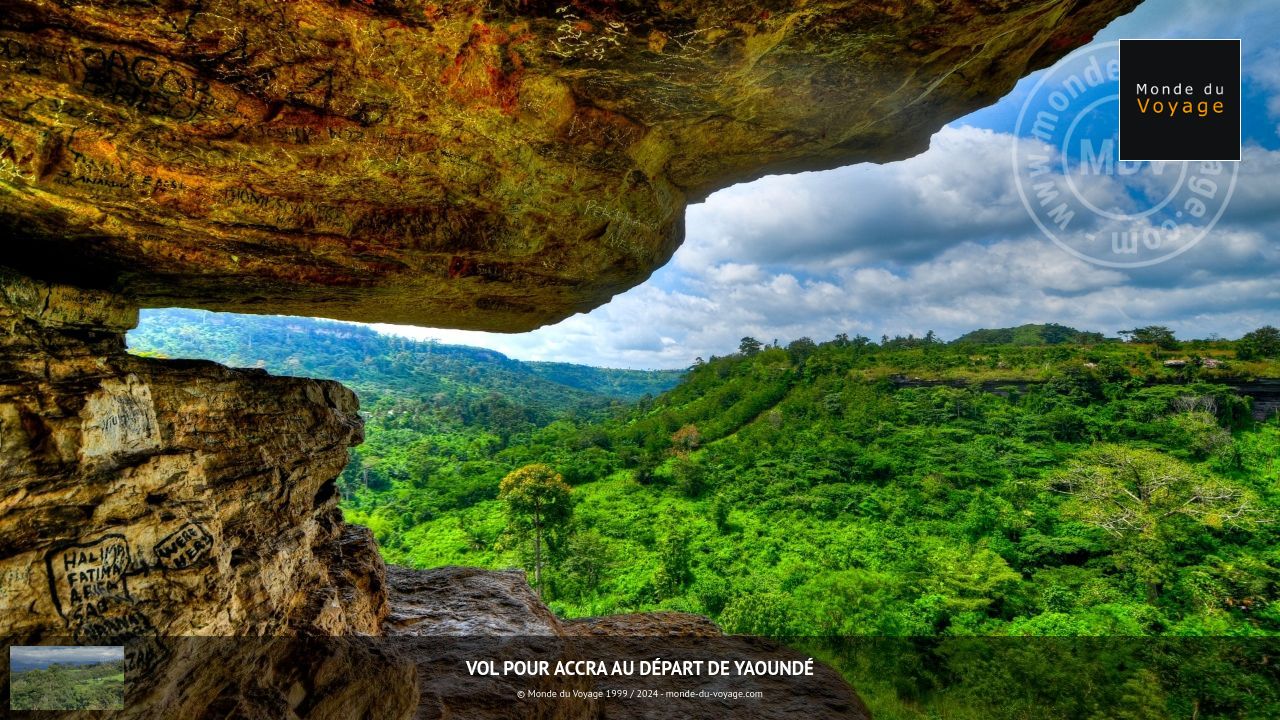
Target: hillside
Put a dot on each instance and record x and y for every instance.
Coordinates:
(807, 491)
(423, 402)
(372, 363)
(788, 491)
(1026, 335)
(625, 384)
(86, 686)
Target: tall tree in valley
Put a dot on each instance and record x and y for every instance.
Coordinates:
(538, 502)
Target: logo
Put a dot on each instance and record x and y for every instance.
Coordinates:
(1082, 196)
(1180, 100)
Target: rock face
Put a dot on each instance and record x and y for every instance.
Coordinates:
(443, 617)
(479, 164)
(148, 499)
(172, 497)
(464, 601)
(1265, 393)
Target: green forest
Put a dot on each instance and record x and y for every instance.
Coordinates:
(63, 686)
(421, 401)
(1035, 482)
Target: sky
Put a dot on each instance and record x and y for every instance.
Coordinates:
(940, 242)
(39, 656)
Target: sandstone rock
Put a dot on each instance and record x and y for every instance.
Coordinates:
(666, 624)
(149, 499)
(681, 636)
(465, 601)
(488, 165)
(203, 497)
(443, 617)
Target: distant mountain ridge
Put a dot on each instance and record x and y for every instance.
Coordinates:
(626, 384)
(23, 664)
(373, 363)
(1031, 334)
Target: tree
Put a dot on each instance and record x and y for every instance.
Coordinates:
(800, 349)
(1158, 335)
(646, 470)
(674, 559)
(1261, 343)
(585, 563)
(1141, 697)
(1141, 497)
(537, 502)
(690, 475)
(686, 439)
(749, 346)
(719, 509)
(1200, 432)
(1128, 491)
(758, 613)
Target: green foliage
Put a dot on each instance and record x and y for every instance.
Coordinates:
(535, 497)
(801, 492)
(1134, 493)
(674, 559)
(876, 508)
(904, 488)
(435, 415)
(1028, 335)
(60, 686)
(623, 384)
(765, 613)
(1158, 335)
(1261, 343)
(1151, 505)
(538, 504)
(689, 475)
(587, 560)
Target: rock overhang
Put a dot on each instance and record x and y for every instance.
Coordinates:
(481, 165)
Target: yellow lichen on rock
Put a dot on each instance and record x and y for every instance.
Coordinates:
(467, 164)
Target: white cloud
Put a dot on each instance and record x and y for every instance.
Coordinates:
(997, 272)
(960, 188)
(937, 242)
(41, 654)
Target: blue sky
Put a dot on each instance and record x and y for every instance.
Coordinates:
(939, 242)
